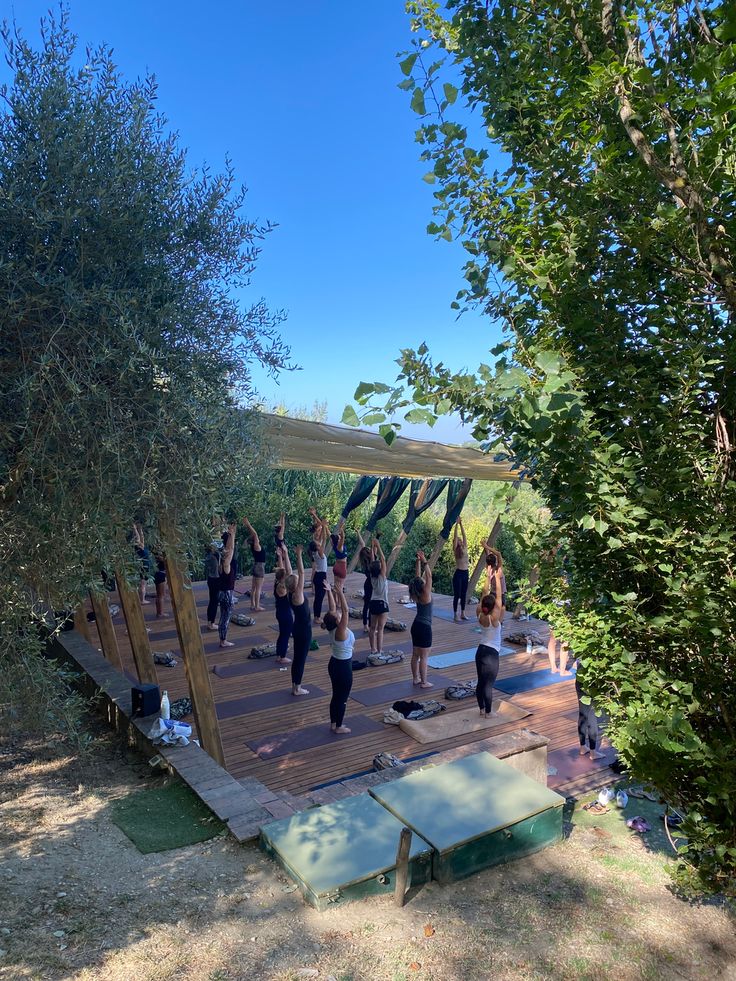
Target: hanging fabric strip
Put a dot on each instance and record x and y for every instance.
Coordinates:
(390, 490)
(423, 494)
(457, 492)
(360, 493)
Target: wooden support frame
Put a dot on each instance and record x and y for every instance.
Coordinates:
(136, 625)
(81, 624)
(195, 662)
(481, 563)
(105, 629)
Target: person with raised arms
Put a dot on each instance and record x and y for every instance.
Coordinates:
(420, 591)
(302, 629)
(490, 617)
(340, 665)
(461, 574)
(379, 598)
(284, 613)
(227, 584)
(259, 568)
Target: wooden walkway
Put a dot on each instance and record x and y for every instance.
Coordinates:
(553, 708)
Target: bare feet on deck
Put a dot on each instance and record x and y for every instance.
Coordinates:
(583, 750)
(463, 617)
(145, 602)
(566, 674)
(341, 730)
(226, 643)
(212, 626)
(416, 681)
(595, 755)
(283, 660)
(426, 684)
(299, 691)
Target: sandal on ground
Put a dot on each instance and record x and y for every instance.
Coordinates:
(595, 807)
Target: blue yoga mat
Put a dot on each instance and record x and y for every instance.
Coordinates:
(452, 658)
(529, 681)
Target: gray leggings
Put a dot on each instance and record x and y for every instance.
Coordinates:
(225, 599)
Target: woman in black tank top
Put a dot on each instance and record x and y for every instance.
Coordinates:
(302, 629)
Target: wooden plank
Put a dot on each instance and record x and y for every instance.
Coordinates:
(106, 630)
(137, 635)
(184, 608)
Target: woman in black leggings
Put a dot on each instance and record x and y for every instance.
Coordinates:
(302, 629)
(490, 618)
(461, 574)
(365, 557)
(284, 614)
(340, 665)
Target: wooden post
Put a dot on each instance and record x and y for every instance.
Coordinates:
(356, 555)
(402, 867)
(394, 553)
(436, 552)
(106, 630)
(195, 662)
(137, 634)
(81, 624)
(481, 563)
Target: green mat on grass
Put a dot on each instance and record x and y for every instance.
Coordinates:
(164, 818)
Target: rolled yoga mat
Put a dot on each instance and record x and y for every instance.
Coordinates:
(396, 690)
(465, 656)
(527, 682)
(449, 724)
(264, 700)
(310, 737)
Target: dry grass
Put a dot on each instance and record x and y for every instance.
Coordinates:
(594, 907)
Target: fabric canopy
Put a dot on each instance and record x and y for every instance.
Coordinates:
(362, 489)
(302, 445)
(422, 495)
(457, 492)
(390, 490)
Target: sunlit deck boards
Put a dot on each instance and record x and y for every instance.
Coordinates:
(554, 708)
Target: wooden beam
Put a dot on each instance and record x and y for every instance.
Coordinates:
(190, 642)
(106, 630)
(137, 634)
(394, 553)
(402, 867)
(81, 624)
(481, 563)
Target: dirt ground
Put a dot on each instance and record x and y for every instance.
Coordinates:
(77, 900)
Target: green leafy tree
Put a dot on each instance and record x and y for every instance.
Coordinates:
(606, 248)
(124, 356)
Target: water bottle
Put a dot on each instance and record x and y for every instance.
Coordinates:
(165, 706)
(528, 645)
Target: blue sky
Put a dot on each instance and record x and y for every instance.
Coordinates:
(303, 99)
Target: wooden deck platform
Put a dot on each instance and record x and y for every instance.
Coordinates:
(553, 709)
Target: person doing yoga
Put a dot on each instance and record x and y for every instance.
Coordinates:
(227, 584)
(213, 571)
(340, 665)
(319, 563)
(420, 591)
(340, 568)
(259, 568)
(365, 557)
(490, 618)
(378, 607)
(144, 555)
(461, 573)
(284, 613)
(302, 629)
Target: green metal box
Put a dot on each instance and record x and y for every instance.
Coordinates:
(343, 851)
(474, 812)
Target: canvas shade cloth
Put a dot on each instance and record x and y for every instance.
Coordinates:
(422, 495)
(457, 493)
(360, 493)
(303, 445)
(390, 490)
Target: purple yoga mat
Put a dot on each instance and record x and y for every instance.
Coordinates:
(247, 667)
(264, 700)
(403, 689)
(284, 743)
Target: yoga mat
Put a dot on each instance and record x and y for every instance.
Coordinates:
(447, 615)
(310, 737)
(569, 764)
(449, 724)
(527, 682)
(465, 656)
(264, 700)
(404, 689)
(157, 635)
(248, 667)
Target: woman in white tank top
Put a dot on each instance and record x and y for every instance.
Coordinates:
(340, 665)
(490, 618)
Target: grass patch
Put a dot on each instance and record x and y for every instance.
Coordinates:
(164, 818)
